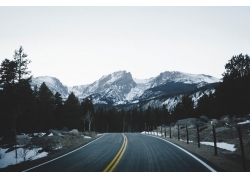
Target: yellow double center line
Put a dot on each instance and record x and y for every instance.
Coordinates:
(118, 156)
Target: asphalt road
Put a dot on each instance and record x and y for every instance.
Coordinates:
(149, 154)
(142, 153)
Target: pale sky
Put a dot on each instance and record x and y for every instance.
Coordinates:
(79, 45)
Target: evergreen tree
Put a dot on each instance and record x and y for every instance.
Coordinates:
(71, 113)
(233, 94)
(46, 106)
(100, 117)
(148, 118)
(207, 106)
(237, 67)
(22, 63)
(183, 109)
(16, 93)
(165, 116)
(85, 107)
(58, 110)
(8, 73)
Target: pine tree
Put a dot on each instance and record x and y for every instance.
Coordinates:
(165, 116)
(71, 112)
(183, 109)
(46, 106)
(86, 107)
(8, 73)
(232, 95)
(15, 90)
(58, 110)
(22, 64)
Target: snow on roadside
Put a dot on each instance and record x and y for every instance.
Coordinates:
(39, 134)
(245, 122)
(9, 158)
(186, 140)
(42, 154)
(222, 145)
(151, 133)
(87, 137)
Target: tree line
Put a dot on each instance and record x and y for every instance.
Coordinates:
(231, 96)
(24, 109)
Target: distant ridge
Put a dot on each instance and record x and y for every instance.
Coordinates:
(121, 88)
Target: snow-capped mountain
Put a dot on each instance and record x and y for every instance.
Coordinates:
(52, 83)
(176, 76)
(171, 101)
(168, 82)
(121, 88)
(114, 86)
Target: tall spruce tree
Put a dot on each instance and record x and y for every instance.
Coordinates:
(22, 64)
(46, 106)
(15, 91)
(233, 94)
(183, 109)
(71, 113)
(58, 110)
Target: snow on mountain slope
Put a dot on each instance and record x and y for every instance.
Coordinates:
(116, 85)
(121, 88)
(52, 83)
(142, 81)
(167, 77)
(176, 76)
(171, 102)
(138, 90)
(78, 90)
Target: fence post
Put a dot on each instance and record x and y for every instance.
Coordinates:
(215, 145)
(242, 149)
(198, 136)
(178, 133)
(187, 134)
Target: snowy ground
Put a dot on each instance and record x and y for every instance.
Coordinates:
(245, 122)
(9, 158)
(23, 154)
(222, 145)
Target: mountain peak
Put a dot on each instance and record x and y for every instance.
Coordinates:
(52, 83)
(177, 76)
(119, 87)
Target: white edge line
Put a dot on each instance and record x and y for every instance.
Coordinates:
(202, 162)
(64, 154)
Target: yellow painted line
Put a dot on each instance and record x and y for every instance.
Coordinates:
(118, 156)
(113, 167)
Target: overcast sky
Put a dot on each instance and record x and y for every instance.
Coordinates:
(79, 45)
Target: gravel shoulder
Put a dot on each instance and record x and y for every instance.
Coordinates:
(225, 161)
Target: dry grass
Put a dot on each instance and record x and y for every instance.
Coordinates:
(228, 161)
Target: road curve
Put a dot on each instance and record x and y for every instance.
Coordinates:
(91, 158)
(141, 153)
(149, 154)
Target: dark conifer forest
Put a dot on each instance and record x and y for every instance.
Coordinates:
(24, 109)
